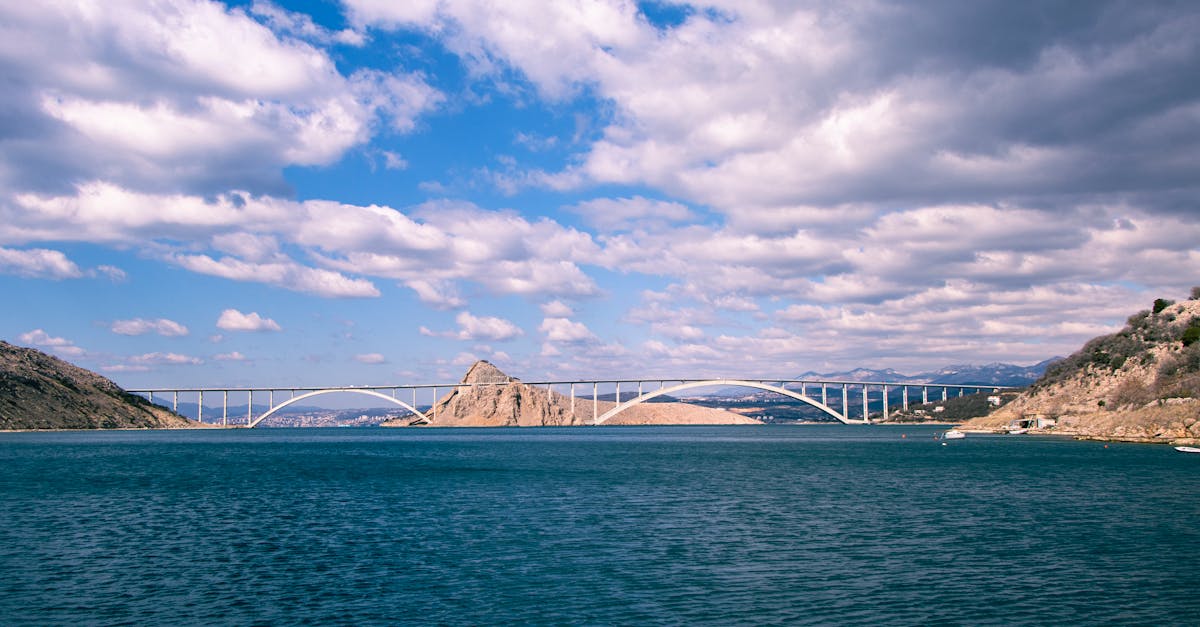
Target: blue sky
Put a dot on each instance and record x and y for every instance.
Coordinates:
(365, 192)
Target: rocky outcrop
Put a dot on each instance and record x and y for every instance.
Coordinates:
(1139, 384)
(498, 400)
(39, 391)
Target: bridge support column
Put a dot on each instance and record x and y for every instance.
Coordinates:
(249, 407)
(885, 402)
(595, 402)
(904, 397)
(924, 394)
(945, 393)
(572, 402)
(225, 408)
(824, 401)
(845, 401)
(433, 406)
(618, 392)
(866, 408)
(175, 402)
(200, 407)
(151, 397)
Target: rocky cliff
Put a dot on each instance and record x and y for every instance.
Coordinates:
(38, 391)
(1139, 384)
(511, 403)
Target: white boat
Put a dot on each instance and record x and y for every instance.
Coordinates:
(953, 434)
(1187, 449)
(1018, 431)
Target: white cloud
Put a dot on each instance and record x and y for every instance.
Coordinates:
(141, 326)
(38, 263)
(284, 273)
(234, 320)
(437, 294)
(556, 309)
(564, 330)
(393, 161)
(57, 345)
(165, 359)
(611, 214)
(479, 328)
(231, 356)
(189, 94)
(370, 358)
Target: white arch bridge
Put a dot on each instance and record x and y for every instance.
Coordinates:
(838, 399)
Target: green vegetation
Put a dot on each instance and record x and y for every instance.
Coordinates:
(954, 409)
(1192, 334)
(1141, 343)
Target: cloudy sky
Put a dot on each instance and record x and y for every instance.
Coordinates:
(314, 193)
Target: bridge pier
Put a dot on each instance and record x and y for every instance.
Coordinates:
(845, 401)
(225, 409)
(885, 402)
(866, 408)
(904, 396)
(200, 408)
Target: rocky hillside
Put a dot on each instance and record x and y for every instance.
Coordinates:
(515, 404)
(1140, 384)
(38, 391)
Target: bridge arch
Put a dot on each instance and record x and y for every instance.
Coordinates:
(296, 399)
(729, 382)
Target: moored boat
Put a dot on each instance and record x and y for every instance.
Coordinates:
(1187, 449)
(953, 434)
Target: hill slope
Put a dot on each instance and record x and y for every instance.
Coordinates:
(39, 391)
(1141, 383)
(515, 404)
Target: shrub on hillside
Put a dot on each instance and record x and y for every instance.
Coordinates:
(1161, 304)
(1191, 335)
(1195, 293)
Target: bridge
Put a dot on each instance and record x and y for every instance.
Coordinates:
(834, 398)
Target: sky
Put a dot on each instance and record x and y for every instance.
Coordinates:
(198, 193)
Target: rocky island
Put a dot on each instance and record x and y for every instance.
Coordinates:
(511, 403)
(39, 391)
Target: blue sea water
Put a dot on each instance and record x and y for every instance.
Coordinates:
(617, 525)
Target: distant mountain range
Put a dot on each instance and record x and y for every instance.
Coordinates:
(990, 374)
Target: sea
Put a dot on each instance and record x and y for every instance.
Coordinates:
(722, 525)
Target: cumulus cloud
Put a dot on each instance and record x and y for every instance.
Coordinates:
(57, 345)
(188, 95)
(556, 309)
(429, 248)
(234, 320)
(479, 328)
(564, 330)
(38, 263)
(230, 356)
(142, 326)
